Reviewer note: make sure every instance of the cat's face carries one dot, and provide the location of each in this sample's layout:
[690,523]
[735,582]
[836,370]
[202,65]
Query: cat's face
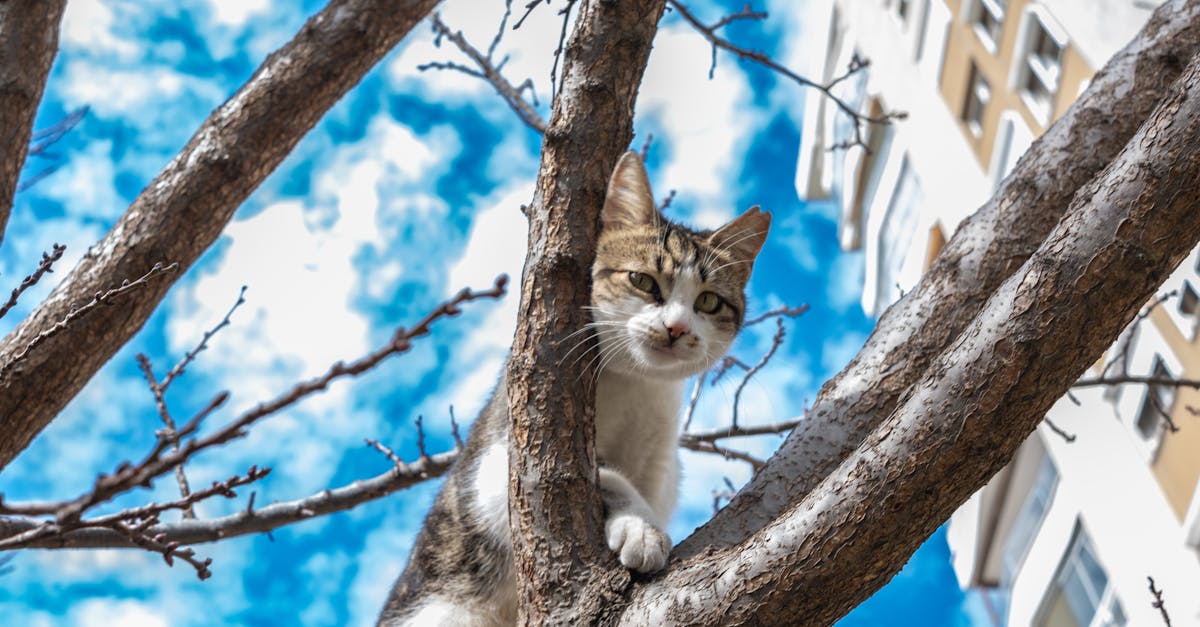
[667,301]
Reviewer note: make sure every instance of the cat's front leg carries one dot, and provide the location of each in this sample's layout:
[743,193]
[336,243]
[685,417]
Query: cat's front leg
[628,526]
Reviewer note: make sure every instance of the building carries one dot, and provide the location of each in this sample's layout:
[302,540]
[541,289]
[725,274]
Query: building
[1069,531]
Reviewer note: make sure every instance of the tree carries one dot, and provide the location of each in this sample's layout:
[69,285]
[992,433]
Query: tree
[1027,294]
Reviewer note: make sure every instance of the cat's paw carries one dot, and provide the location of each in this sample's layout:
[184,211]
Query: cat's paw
[640,545]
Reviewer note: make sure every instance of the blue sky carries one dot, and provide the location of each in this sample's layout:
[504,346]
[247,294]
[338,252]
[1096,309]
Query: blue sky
[405,192]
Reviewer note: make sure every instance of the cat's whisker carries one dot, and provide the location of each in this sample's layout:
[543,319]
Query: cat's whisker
[733,263]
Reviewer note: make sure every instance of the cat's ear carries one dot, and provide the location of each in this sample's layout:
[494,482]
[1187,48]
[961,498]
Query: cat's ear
[744,235]
[628,201]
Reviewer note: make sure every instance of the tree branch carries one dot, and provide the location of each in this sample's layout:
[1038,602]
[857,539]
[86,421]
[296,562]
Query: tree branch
[29,30]
[986,249]
[709,31]
[489,71]
[140,526]
[185,208]
[974,405]
[46,266]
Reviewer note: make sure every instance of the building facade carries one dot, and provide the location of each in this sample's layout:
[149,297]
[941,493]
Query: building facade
[1105,493]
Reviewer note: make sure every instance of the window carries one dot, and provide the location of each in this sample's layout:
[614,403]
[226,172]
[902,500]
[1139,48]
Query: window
[987,16]
[1157,401]
[1080,595]
[1029,519]
[979,93]
[1041,67]
[903,9]
[1189,301]
[895,236]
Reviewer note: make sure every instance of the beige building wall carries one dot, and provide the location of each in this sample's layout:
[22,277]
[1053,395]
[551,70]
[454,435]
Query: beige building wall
[963,47]
[1177,465]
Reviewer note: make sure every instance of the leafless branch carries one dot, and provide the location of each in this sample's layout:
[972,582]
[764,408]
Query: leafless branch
[173,373]
[737,394]
[489,70]
[704,446]
[565,12]
[43,140]
[1126,341]
[695,398]
[99,299]
[1067,437]
[529,7]
[709,31]
[1149,380]
[712,435]
[44,267]
[778,312]
[1158,602]
[666,201]
[723,495]
[141,527]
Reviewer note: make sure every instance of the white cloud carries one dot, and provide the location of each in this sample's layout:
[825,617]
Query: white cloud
[237,12]
[103,612]
[88,26]
[707,123]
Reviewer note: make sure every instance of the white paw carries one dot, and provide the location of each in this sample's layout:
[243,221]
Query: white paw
[639,544]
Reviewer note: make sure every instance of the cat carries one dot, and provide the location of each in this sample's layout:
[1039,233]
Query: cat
[667,302]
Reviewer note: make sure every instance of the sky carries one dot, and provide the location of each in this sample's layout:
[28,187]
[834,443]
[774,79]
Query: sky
[406,191]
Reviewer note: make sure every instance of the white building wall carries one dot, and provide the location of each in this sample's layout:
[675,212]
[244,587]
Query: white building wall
[1105,484]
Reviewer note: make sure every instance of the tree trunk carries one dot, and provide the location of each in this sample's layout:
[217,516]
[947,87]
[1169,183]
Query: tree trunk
[564,569]
[28,43]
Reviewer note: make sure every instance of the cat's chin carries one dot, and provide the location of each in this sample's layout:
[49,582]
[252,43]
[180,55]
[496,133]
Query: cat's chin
[666,363]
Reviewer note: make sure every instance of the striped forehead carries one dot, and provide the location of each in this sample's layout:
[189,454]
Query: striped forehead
[678,251]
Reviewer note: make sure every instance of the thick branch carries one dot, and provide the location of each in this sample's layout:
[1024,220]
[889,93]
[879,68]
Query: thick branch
[563,568]
[28,43]
[184,210]
[986,249]
[977,401]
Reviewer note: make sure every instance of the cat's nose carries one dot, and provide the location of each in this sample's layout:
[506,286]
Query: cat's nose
[676,329]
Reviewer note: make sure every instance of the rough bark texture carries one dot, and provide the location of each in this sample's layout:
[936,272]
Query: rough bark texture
[28,43]
[984,251]
[1124,233]
[183,211]
[564,570]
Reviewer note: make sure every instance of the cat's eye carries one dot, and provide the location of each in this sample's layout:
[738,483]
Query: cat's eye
[708,302]
[643,282]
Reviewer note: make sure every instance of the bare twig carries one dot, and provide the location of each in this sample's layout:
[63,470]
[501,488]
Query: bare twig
[44,267]
[666,201]
[389,453]
[737,395]
[704,446]
[81,311]
[1148,380]
[723,495]
[140,526]
[489,70]
[1126,342]
[1158,602]
[173,373]
[44,139]
[691,408]
[856,65]
[778,312]
[1067,437]
[735,431]
[565,12]
[529,7]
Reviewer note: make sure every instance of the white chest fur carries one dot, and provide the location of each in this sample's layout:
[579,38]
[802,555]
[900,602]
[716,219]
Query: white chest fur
[637,430]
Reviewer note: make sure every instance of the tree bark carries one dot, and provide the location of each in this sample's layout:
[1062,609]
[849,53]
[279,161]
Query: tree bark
[28,43]
[1123,234]
[185,208]
[564,570]
[985,250]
